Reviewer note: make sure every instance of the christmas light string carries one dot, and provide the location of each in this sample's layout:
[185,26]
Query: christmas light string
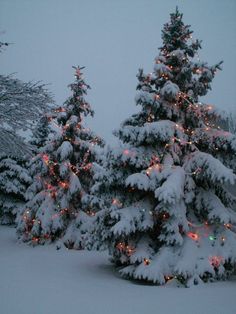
[215,261]
[204,230]
[62,184]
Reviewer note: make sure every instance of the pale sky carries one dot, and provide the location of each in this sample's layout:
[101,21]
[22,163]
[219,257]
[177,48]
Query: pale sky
[113,39]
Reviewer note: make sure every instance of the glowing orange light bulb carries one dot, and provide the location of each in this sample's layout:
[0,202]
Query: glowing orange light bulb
[146,261]
[193,236]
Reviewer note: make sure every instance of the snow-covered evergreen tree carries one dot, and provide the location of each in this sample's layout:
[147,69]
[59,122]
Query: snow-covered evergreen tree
[41,132]
[14,180]
[62,179]
[170,213]
[99,197]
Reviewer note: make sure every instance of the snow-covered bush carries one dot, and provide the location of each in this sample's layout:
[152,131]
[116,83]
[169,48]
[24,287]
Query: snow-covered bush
[14,180]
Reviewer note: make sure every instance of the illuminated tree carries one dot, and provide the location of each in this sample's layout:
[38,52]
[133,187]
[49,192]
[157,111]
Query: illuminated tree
[62,174]
[170,213]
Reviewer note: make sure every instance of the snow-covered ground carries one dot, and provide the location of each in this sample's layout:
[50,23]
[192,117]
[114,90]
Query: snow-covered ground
[43,280]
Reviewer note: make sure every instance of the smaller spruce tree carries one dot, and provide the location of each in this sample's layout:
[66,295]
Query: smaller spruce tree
[56,195]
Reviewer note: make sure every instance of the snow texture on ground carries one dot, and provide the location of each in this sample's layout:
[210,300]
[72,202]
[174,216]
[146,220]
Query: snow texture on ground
[43,280]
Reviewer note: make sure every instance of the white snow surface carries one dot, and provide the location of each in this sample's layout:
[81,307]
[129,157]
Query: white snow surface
[43,280]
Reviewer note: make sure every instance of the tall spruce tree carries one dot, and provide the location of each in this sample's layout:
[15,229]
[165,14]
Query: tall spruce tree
[170,212]
[63,172]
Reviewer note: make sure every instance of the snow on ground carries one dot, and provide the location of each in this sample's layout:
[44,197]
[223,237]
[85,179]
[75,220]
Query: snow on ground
[43,280]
